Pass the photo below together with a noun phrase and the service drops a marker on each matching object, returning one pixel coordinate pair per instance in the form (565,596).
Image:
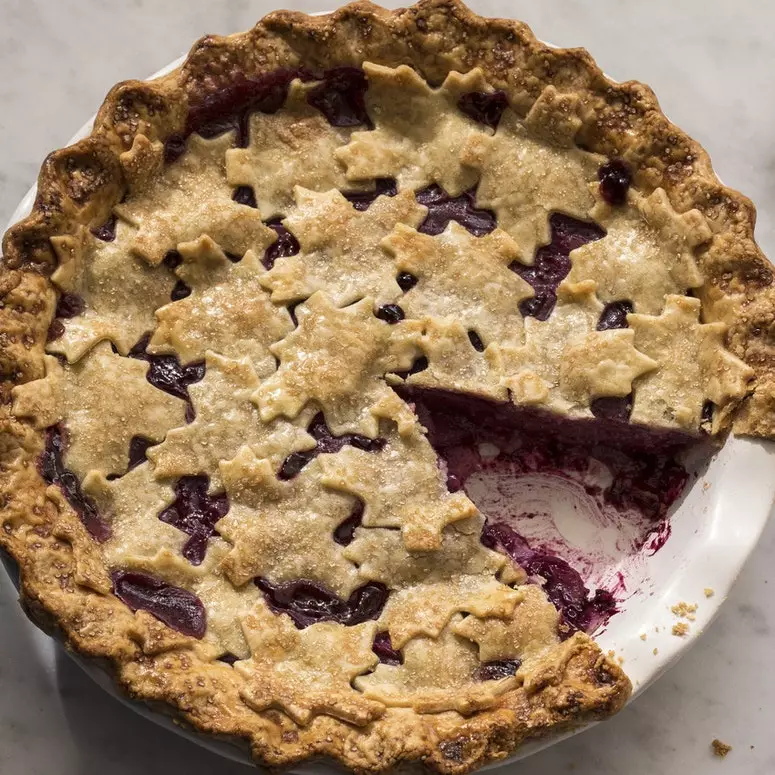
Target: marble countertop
(712,64)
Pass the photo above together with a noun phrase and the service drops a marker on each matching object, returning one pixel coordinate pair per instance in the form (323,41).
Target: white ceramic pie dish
(712,532)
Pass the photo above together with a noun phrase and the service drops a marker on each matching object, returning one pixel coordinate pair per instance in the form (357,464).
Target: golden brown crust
(64,583)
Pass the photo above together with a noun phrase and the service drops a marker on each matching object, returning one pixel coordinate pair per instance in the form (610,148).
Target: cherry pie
(264,323)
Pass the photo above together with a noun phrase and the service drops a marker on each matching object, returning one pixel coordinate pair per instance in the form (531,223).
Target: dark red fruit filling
(476,341)
(614,315)
(406,281)
(172,259)
(615,178)
(179,291)
(177,608)
(552,263)
(645,477)
(106,232)
(563,585)
(230,107)
(195,512)
(308,602)
(228,658)
(419,365)
(168,374)
(383,648)
(174,148)
(443,208)
(345,531)
(496,670)
(612,408)
(326,442)
(138,446)
(245,195)
(53,471)
(340,97)
(390,313)
(285,245)
(484,107)
(362,200)
(68,306)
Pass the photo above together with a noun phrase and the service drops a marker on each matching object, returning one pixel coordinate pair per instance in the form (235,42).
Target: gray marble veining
(712,64)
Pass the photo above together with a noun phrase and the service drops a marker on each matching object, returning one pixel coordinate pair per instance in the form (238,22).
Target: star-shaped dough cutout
(120,291)
(426,609)
(524,179)
(525,634)
(340,248)
(188,198)
(454,363)
(283,530)
(565,362)
(438,674)
(295,146)
(227,311)
(337,359)
(463,277)
(647,252)
(419,134)
(401,486)
(103,400)
(382,556)
(694,366)
(305,673)
(131,505)
(225,421)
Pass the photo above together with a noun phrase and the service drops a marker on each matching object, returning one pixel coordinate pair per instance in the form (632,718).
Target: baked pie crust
(139,256)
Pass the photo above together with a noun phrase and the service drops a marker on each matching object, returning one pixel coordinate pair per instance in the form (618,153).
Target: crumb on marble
(720,749)
(680,629)
(709,592)
(685,610)
(643,636)
(655,652)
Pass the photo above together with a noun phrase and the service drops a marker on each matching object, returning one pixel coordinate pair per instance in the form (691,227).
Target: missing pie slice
(265,323)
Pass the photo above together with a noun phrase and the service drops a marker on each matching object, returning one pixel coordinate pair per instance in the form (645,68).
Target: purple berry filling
(228,658)
(245,195)
(285,245)
(326,442)
(53,471)
(230,107)
(615,178)
(390,313)
(308,602)
(476,341)
(362,200)
(383,648)
(614,315)
(563,585)
(552,263)
(497,669)
(484,107)
(106,232)
(340,97)
(612,408)
(69,305)
(168,374)
(345,531)
(177,608)
(174,148)
(442,208)
(406,281)
(419,365)
(179,291)
(195,512)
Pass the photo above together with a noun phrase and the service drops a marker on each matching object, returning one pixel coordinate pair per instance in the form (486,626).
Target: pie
(264,323)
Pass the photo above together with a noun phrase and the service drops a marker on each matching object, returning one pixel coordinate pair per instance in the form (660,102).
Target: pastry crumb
(680,629)
(720,749)
(709,592)
(685,610)
(643,636)
(655,652)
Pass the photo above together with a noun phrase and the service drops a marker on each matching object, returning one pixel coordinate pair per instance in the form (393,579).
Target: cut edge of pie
(65,586)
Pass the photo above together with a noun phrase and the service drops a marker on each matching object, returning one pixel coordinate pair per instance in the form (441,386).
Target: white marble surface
(712,64)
